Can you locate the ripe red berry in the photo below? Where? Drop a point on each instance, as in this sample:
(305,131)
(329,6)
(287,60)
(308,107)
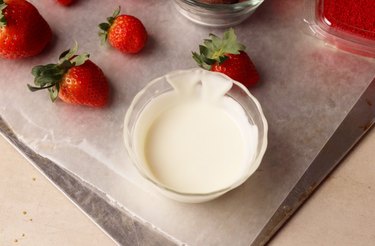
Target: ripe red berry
(74,79)
(124,32)
(238,67)
(66,2)
(227,56)
(23,31)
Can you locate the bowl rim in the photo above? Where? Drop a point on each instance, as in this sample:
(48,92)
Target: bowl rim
(255,164)
(216,6)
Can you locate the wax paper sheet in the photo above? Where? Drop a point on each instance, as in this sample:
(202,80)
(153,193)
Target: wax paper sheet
(306,89)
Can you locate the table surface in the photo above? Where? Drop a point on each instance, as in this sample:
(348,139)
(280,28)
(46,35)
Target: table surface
(306,78)
(341,212)
(303,99)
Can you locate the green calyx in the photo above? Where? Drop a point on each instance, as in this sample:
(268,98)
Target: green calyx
(49,76)
(104,27)
(3,21)
(214,50)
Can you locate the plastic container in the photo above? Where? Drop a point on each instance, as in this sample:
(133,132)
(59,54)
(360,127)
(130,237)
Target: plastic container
(159,86)
(346,24)
(217,15)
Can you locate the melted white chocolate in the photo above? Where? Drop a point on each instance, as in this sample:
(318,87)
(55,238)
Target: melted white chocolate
(194,139)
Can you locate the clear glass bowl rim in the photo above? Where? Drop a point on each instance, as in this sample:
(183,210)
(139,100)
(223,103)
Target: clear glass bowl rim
(133,156)
(233,6)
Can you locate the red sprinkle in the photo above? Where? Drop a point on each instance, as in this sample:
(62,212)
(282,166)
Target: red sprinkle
(356,17)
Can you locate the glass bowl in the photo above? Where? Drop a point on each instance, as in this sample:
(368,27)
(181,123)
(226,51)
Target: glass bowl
(217,15)
(159,86)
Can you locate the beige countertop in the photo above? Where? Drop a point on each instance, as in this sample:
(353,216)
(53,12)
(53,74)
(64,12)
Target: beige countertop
(34,212)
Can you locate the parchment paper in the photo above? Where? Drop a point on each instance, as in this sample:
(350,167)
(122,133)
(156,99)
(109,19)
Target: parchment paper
(306,90)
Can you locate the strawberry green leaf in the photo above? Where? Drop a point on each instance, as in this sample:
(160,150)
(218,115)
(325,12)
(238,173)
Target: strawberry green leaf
(45,80)
(206,66)
(197,58)
(53,93)
(209,61)
(229,34)
(116,12)
(62,56)
(200,59)
(57,89)
(230,37)
(49,72)
(45,70)
(215,49)
(79,60)
(217,43)
(110,20)
(49,76)
(209,44)
(203,50)
(3,21)
(34,88)
(71,52)
(103,37)
(37,70)
(222,59)
(65,65)
(104,26)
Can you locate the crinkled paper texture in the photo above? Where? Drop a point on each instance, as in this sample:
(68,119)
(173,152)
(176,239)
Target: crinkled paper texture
(306,89)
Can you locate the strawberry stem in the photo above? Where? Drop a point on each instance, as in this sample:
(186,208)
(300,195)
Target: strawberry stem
(215,49)
(49,76)
(3,21)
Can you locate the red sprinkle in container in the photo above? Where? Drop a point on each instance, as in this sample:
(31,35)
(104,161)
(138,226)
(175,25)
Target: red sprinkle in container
(347,24)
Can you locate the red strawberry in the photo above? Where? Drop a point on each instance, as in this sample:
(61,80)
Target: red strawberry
(124,32)
(74,79)
(66,2)
(238,67)
(23,31)
(227,56)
